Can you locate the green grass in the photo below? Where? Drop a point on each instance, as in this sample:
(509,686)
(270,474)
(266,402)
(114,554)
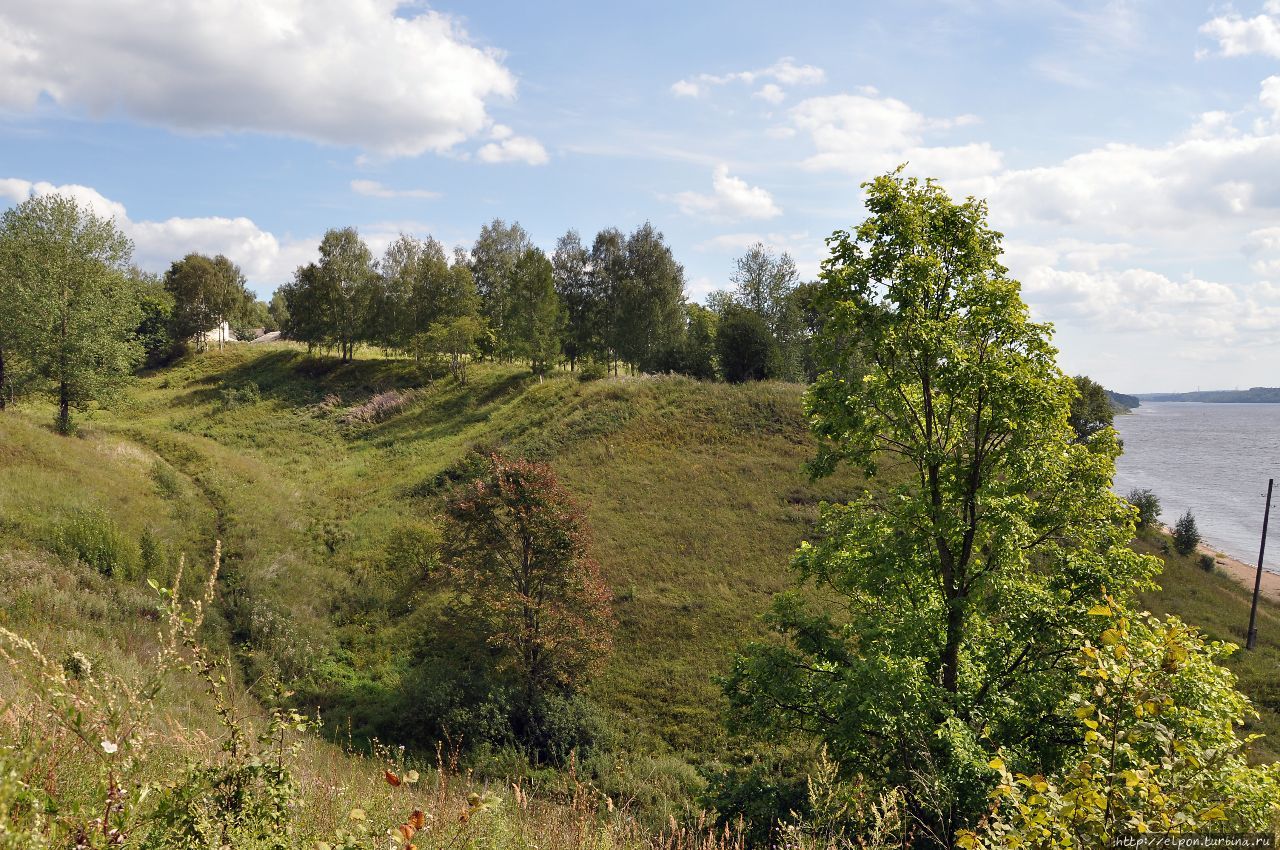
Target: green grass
(695,493)
(1219,606)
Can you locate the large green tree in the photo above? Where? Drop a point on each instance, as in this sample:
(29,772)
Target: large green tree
(606,272)
(964,572)
(18,322)
(330,302)
(349,279)
(571,263)
(494,256)
(648,300)
(535,317)
(79,306)
(206,292)
(764,283)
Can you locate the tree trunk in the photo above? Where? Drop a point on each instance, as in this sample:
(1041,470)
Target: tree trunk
(4,386)
(64,407)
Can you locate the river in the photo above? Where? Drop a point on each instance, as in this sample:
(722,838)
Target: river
(1212,458)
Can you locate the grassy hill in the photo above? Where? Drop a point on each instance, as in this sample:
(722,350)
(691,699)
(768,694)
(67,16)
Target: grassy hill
(324,479)
(695,492)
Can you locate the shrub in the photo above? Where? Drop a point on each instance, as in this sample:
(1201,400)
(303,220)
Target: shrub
(744,345)
(1186,536)
(152,555)
(1148,505)
(236,396)
(93,538)
(592,370)
(1206,562)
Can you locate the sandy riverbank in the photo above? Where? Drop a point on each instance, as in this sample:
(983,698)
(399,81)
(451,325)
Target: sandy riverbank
(1242,572)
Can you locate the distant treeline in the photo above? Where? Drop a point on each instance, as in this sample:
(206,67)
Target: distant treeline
(616,302)
(1253,395)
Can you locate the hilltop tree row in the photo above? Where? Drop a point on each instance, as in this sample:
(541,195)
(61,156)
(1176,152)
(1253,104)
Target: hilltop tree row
(619,302)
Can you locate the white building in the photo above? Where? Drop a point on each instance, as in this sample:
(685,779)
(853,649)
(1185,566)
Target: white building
(222,333)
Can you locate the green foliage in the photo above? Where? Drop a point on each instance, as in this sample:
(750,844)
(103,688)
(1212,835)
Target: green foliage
(647,300)
(593,370)
(1091,408)
(79,309)
(234,396)
(94,539)
(206,291)
(153,556)
(744,346)
(1148,505)
(330,302)
(277,312)
(694,352)
(764,285)
(1157,719)
(1206,562)
(963,582)
(1186,535)
(494,257)
(534,316)
(249,316)
(155,330)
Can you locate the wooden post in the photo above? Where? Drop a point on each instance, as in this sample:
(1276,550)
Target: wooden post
(1252,637)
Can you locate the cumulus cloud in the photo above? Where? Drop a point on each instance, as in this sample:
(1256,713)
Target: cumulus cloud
(785,72)
(864,133)
(1240,36)
(771,93)
(381,75)
(731,198)
(266,260)
(1137,299)
(508,147)
(374,189)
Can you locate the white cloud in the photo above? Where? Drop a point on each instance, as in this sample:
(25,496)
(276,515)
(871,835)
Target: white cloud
(1141,300)
(508,147)
(685,88)
(866,133)
(266,260)
(771,93)
(730,198)
(382,75)
(374,189)
(1239,36)
(784,71)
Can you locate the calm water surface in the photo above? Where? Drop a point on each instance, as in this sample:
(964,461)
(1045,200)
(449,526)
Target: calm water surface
(1212,458)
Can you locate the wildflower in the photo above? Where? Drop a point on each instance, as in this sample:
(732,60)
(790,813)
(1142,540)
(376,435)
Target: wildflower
(109,747)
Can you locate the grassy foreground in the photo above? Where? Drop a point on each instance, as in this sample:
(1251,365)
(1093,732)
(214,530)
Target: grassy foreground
(323,480)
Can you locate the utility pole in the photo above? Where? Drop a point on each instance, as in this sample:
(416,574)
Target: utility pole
(1257,582)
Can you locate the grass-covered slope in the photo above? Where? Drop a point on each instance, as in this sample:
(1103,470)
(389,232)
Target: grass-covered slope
(324,481)
(1219,605)
(695,493)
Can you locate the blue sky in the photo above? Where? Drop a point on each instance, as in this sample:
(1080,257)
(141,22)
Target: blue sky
(1129,151)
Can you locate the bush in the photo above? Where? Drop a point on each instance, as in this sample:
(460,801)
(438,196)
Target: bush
(153,556)
(1206,562)
(1186,536)
(1148,505)
(744,345)
(246,393)
(592,370)
(93,538)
